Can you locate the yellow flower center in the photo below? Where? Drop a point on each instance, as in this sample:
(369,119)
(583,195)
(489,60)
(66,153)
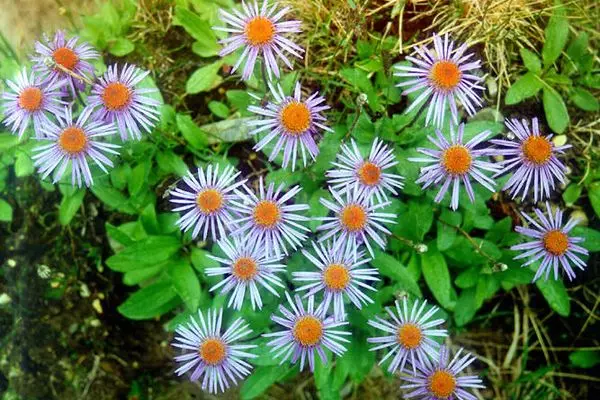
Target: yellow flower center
(537,149)
(72,140)
(353,217)
(116,96)
(336,277)
(445,75)
(209,201)
(457,160)
(65,57)
(308,331)
(295,118)
(442,384)
(266,214)
(213,351)
(556,242)
(30,99)
(245,268)
(409,336)
(369,174)
(260,31)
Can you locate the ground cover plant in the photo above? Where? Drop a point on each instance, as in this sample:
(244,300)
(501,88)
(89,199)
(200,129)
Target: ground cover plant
(317,199)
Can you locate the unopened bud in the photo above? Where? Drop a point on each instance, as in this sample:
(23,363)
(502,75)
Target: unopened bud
(499,267)
(421,248)
(361,100)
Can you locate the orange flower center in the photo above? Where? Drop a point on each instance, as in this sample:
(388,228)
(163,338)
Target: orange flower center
(213,351)
(353,217)
(445,75)
(336,277)
(116,96)
(537,149)
(409,336)
(65,57)
(442,384)
(308,331)
(260,31)
(30,99)
(556,242)
(457,159)
(209,201)
(369,174)
(245,268)
(266,214)
(72,140)
(295,118)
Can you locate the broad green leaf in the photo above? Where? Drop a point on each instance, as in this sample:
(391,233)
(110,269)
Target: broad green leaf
(118,235)
(594,196)
(201,261)
(584,99)
(185,282)
(146,252)
(206,48)
(526,86)
(23,165)
(219,109)
(359,357)
(121,47)
(171,162)
(138,177)
(531,60)
(112,198)
(229,131)
(260,380)
(591,238)
(205,78)
(138,276)
(556,35)
(194,135)
(392,268)
(572,193)
(150,301)
(466,307)
(7,141)
(436,274)
(467,278)
(149,220)
(556,295)
(555,110)
(6,211)
(69,206)
(198,28)
(584,358)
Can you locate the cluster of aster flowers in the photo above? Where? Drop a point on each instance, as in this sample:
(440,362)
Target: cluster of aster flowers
(52,96)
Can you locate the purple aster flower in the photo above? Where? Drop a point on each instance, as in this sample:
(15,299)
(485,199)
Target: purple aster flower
(213,354)
(31,100)
(551,243)
(293,122)
(368,173)
(306,331)
(356,220)
(246,267)
(207,201)
(118,99)
(73,142)
(267,218)
(535,158)
(440,380)
(455,162)
(338,276)
(69,55)
(444,74)
(259,31)
(410,335)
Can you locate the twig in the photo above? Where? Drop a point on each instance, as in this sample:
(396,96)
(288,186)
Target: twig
(473,243)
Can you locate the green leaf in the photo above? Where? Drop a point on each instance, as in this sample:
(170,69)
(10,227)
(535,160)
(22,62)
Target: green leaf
(556,295)
(150,301)
(591,238)
(436,274)
(219,109)
(584,99)
(146,252)
(556,35)
(112,198)
(171,162)
(6,211)
(23,165)
(571,194)
(194,25)
(206,48)
(201,261)
(229,130)
(465,307)
(555,110)
(192,133)
(121,47)
(69,206)
(138,276)
(392,268)
(138,177)
(205,78)
(468,278)
(185,282)
(526,86)
(260,380)
(149,220)
(594,196)
(585,359)
(7,141)
(531,60)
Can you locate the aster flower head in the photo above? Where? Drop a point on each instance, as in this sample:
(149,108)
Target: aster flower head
(535,158)
(454,163)
(444,74)
(339,276)
(206,201)
(410,334)
(266,218)
(29,99)
(246,268)
(440,380)
(118,99)
(73,142)
(70,55)
(368,174)
(551,243)
(356,219)
(292,122)
(260,31)
(211,355)
(306,331)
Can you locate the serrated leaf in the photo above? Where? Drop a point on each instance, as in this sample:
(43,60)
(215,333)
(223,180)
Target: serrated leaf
(150,301)
(392,268)
(555,110)
(530,60)
(69,206)
(556,295)
(526,86)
